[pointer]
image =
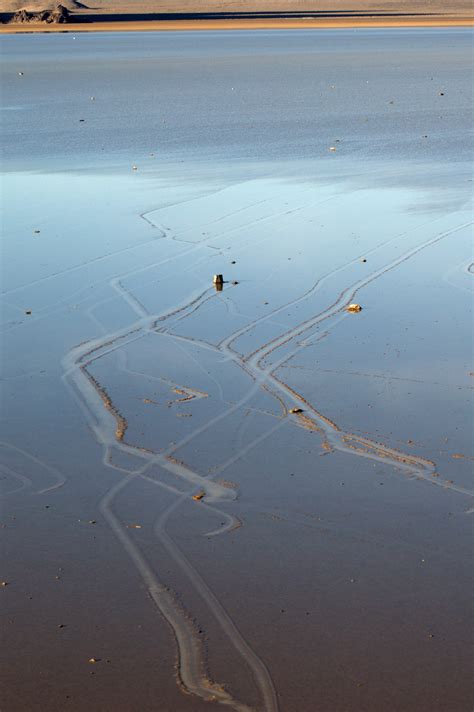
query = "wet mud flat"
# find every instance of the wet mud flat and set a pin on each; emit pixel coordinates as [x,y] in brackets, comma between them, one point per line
[248,496]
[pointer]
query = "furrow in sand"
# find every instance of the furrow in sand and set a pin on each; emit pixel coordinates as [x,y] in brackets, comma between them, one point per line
[109,427]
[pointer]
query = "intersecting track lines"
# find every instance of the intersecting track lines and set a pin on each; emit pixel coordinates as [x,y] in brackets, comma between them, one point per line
[104,419]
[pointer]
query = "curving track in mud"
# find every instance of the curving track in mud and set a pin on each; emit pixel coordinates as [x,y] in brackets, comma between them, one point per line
[261,365]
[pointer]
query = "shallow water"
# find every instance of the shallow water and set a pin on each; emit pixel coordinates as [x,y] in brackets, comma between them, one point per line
[324,565]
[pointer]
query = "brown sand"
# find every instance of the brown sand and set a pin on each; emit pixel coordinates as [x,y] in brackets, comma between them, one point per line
[244,24]
[139,15]
[121,7]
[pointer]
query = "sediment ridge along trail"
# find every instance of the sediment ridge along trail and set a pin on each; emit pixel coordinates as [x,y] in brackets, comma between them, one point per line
[110,428]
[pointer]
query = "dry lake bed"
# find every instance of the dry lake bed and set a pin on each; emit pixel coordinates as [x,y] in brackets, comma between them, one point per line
[243,496]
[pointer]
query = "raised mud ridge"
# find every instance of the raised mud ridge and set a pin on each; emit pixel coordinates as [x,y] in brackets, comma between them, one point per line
[111,430]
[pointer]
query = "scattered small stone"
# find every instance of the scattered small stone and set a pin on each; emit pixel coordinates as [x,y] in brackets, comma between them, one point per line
[92,98]
[28,312]
[134,168]
[20,74]
[354,308]
[5,583]
[37,232]
[61,625]
[134,526]
[81,121]
[198,496]
[233,262]
[94,660]
[441,93]
[296,410]
[92,521]
[234,282]
[363,259]
[332,148]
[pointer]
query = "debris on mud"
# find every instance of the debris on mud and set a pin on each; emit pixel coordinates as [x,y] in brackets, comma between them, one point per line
[218,279]
[134,526]
[199,496]
[296,410]
[354,308]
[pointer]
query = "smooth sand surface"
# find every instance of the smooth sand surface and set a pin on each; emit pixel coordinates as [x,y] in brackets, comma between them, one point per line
[268,24]
[192,15]
[120,7]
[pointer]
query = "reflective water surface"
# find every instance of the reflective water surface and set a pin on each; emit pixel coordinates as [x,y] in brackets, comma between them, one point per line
[247,496]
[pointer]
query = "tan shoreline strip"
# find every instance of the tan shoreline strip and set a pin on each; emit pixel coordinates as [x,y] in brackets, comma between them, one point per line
[232,24]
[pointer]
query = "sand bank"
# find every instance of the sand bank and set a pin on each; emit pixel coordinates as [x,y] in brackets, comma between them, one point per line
[244,24]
